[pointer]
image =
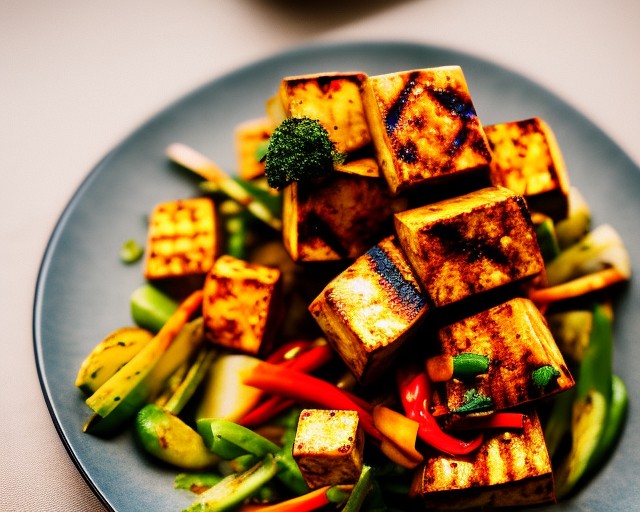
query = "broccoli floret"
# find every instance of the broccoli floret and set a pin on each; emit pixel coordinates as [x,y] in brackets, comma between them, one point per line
[300,148]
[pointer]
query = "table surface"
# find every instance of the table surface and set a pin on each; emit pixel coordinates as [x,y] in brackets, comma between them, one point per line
[78,77]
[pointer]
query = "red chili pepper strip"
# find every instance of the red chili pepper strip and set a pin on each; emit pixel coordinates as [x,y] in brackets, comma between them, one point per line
[265,411]
[500,420]
[310,359]
[414,390]
[296,385]
[288,351]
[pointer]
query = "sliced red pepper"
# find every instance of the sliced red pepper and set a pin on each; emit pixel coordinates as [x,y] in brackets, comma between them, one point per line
[288,351]
[415,389]
[502,420]
[296,385]
[265,411]
[311,359]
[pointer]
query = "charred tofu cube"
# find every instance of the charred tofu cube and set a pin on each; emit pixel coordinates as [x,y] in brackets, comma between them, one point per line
[328,447]
[181,239]
[335,100]
[250,136]
[242,305]
[528,160]
[510,469]
[335,218]
[515,338]
[368,311]
[424,126]
[469,244]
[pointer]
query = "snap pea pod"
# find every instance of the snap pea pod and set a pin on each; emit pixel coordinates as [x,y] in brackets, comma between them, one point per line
[168,438]
[591,412]
[150,307]
[235,488]
[220,433]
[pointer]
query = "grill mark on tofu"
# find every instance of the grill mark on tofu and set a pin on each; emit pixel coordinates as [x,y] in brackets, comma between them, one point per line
[395,111]
[407,292]
[455,242]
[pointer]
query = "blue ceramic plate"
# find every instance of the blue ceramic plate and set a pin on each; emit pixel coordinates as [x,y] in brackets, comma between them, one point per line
[83,289]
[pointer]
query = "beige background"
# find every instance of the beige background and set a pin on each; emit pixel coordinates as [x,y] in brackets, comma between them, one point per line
[76,77]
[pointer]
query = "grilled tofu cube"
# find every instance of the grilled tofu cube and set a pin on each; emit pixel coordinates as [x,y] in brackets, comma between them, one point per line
[510,469]
[528,160]
[424,126]
[368,311]
[328,447]
[469,244]
[249,137]
[517,341]
[181,239]
[242,305]
[335,100]
[335,218]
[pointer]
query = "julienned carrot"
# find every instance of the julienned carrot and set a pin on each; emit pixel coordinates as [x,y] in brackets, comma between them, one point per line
[577,287]
[312,500]
[296,385]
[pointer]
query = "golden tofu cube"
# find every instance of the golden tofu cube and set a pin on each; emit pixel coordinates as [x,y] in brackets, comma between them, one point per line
[424,126]
[335,100]
[250,136]
[510,469]
[469,244]
[528,160]
[242,305]
[368,311]
[328,447]
[335,218]
[514,336]
[181,239]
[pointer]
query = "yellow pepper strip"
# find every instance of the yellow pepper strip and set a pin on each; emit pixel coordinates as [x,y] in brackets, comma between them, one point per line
[399,436]
[577,287]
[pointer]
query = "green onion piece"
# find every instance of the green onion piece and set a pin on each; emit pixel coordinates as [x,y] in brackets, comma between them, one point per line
[131,251]
[467,366]
[336,495]
[474,402]
[545,376]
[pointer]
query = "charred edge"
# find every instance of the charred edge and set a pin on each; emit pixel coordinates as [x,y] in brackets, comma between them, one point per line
[393,114]
[409,295]
[327,83]
[316,227]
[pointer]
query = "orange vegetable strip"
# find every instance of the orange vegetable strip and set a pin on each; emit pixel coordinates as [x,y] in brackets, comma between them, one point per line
[312,500]
[395,454]
[577,287]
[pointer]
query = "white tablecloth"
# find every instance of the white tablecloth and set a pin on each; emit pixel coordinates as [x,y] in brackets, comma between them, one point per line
[64,65]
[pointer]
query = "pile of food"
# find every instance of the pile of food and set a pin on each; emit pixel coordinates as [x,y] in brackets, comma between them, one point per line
[390,304]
